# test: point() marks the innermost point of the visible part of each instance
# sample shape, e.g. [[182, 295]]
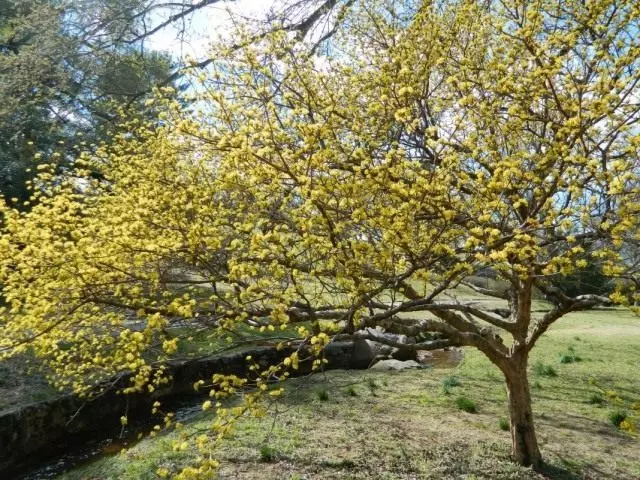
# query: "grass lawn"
[[407, 425]]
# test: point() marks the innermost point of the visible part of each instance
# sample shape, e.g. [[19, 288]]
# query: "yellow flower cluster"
[[300, 190]]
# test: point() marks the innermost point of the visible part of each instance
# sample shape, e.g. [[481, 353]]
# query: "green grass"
[[504, 425], [267, 453], [402, 425], [616, 417], [198, 342], [544, 370], [352, 392], [323, 395], [466, 405], [597, 399], [448, 383]]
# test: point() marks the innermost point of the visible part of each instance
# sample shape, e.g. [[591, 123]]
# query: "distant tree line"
[[69, 69]]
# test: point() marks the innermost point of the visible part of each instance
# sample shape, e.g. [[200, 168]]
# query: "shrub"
[[565, 358], [616, 417], [267, 453], [323, 395], [352, 392], [466, 404], [503, 423], [449, 382], [570, 357], [544, 370], [596, 399], [371, 383]]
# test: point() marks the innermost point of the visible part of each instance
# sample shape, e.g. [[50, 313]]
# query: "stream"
[[184, 408]]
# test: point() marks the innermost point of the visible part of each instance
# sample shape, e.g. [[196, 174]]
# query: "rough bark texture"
[[525, 449]]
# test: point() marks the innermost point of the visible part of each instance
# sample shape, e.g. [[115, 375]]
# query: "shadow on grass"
[[583, 425], [574, 471], [559, 473]]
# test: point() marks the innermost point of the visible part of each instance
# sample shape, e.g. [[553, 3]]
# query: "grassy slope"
[[403, 425]]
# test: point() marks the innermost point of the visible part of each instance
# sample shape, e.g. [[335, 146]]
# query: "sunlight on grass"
[[367, 424]]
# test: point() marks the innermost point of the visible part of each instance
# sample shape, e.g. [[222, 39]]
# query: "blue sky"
[[204, 26]]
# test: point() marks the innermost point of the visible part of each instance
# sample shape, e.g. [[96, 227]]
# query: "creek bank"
[[34, 433], [37, 431]]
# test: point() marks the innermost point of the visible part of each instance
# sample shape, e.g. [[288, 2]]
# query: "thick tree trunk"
[[523, 435]]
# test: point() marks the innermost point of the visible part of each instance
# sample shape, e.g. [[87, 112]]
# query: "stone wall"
[[34, 432]]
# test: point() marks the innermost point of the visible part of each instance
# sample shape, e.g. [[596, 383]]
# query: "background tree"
[[67, 67], [347, 196], [63, 74]]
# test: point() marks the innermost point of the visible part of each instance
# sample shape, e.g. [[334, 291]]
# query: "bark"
[[524, 444]]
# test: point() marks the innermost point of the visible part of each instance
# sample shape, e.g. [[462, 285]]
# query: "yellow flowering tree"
[[347, 195]]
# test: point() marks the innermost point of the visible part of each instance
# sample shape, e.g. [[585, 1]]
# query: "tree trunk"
[[523, 435]]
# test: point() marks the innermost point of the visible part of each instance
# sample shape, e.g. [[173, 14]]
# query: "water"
[[184, 409], [52, 468], [441, 358]]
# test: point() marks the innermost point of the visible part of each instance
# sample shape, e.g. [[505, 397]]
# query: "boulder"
[[365, 352], [393, 364]]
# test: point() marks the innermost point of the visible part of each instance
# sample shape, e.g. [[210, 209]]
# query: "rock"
[[393, 364], [365, 352], [403, 354], [339, 354], [424, 356]]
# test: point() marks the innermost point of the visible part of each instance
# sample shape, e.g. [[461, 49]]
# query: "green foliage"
[[544, 370], [569, 358], [597, 399], [616, 417], [348, 177], [63, 82], [448, 383], [323, 395], [267, 453], [466, 405], [587, 280], [503, 423], [352, 392]]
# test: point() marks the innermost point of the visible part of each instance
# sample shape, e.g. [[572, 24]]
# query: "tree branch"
[[581, 302]]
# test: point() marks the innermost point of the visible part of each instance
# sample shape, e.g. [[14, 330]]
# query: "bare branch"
[[581, 302], [487, 291]]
